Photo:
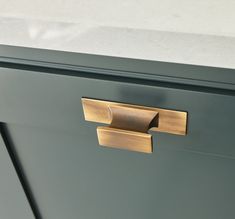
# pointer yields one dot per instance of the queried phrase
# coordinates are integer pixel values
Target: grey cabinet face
(13, 202)
(72, 177)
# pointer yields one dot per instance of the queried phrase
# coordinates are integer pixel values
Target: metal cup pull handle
(129, 124)
(128, 129)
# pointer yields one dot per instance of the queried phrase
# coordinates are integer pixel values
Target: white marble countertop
(217, 50)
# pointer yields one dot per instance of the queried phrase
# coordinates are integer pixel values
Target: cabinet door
(71, 176)
(13, 202)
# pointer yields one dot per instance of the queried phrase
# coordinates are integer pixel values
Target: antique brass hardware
(129, 124)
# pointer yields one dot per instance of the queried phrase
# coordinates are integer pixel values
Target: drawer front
(13, 201)
(188, 176)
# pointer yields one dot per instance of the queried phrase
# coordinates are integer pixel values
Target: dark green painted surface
(46, 100)
(72, 177)
(125, 67)
(13, 202)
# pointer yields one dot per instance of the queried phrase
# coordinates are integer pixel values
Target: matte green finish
(72, 177)
(13, 202)
(125, 67)
(47, 100)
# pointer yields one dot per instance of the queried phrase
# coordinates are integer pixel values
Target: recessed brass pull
(133, 119)
(129, 124)
(128, 129)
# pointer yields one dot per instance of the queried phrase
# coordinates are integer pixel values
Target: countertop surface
(127, 42)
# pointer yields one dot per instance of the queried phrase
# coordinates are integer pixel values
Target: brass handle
(128, 129)
(129, 124)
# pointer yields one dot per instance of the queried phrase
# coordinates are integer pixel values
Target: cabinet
(71, 176)
(13, 201)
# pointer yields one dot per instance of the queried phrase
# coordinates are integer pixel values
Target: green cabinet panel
(126, 67)
(13, 202)
(72, 177)
(54, 101)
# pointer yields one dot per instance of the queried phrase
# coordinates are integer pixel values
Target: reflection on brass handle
(129, 124)
(128, 129)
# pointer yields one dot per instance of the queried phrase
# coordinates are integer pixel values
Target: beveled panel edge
(184, 74)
